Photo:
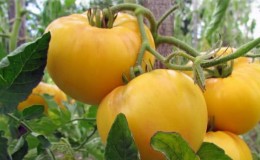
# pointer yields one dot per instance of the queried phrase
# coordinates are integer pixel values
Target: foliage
(72, 133)
(235, 27)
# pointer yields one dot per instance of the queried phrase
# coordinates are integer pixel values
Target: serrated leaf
(4, 147)
(33, 112)
(217, 17)
(173, 146)
(209, 151)
(120, 142)
(21, 71)
(20, 150)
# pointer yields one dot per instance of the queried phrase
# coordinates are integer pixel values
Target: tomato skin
(35, 97)
(87, 62)
(232, 144)
(161, 100)
(233, 102)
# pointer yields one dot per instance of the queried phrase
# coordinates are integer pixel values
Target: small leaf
(209, 151)
(21, 71)
(173, 146)
(20, 150)
(4, 147)
(33, 112)
(120, 143)
(45, 143)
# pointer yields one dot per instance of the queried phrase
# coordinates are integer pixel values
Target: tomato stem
(178, 43)
(179, 53)
(166, 14)
(86, 139)
(238, 53)
(144, 40)
(16, 25)
(133, 7)
(20, 121)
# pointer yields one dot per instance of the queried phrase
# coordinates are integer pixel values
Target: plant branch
(166, 14)
(16, 26)
(20, 121)
(50, 153)
(86, 139)
(252, 55)
(180, 44)
(5, 35)
(144, 40)
(238, 53)
(133, 7)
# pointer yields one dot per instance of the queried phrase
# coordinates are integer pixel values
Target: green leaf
(217, 17)
(173, 146)
(209, 151)
(21, 71)
(45, 143)
(21, 149)
(120, 143)
(33, 112)
(39, 125)
(3, 147)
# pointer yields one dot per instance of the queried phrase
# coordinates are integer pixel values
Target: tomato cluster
(90, 69)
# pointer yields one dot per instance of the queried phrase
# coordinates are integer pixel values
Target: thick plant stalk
(16, 26)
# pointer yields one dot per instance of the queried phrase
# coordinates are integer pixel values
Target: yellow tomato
(232, 144)
(87, 62)
(161, 100)
(35, 98)
(234, 102)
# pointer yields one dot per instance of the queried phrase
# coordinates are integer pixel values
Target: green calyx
(100, 19)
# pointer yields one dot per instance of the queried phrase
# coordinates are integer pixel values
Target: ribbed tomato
(87, 62)
(234, 102)
(161, 100)
(232, 144)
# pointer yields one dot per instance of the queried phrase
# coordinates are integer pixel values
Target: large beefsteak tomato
(161, 100)
(88, 62)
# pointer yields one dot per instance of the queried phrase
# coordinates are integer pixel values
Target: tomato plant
(91, 56)
(35, 98)
(87, 62)
(168, 106)
(233, 105)
(232, 144)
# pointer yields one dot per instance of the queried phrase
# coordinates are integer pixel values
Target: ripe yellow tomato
(234, 102)
(35, 98)
(232, 144)
(161, 100)
(87, 62)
